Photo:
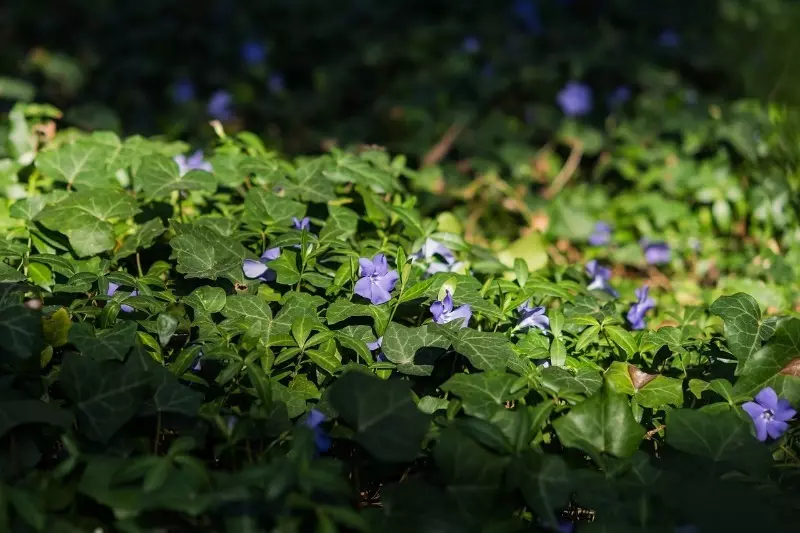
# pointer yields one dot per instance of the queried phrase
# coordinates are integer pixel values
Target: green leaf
(15, 413)
(9, 274)
(719, 436)
(401, 345)
(621, 338)
(144, 237)
(296, 304)
(247, 313)
(86, 218)
(350, 168)
(775, 365)
(558, 352)
(382, 413)
(587, 336)
(104, 344)
(744, 328)
(603, 423)
(485, 350)
(560, 380)
(261, 384)
(261, 206)
(341, 224)
(204, 253)
(545, 482)
(166, 324)
(55, 328)
(80, 165)
(482, 394)
(310, 184)
(209, 299)
(168, 394)
(649, 390)
(20, 328)
(326, 357)
(159, 175)
(106, 393)
(285, 266)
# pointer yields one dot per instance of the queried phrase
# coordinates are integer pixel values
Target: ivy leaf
(545, 482)
(296, 305)
(341, 224)
(243, 312)
(401, 344)
(603, 423)
(719, 436)
(106, 393)
(15, 413)
(482, 394)
(775, 365)
(85, 218)
(285, 266)
(350, 168)
(310, 184)
(79, 165)
(649, 390)
(202, 252)
(20, 327)
(144, 237)
(382, 413)
(560, 380)
(104, 344)
(159, 175)
(744, 328)
(169, 395)
(261, 206)
(485, 350)
(621, 338)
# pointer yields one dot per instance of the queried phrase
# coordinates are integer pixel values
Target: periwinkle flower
(193, 162)
(770, 414)
(377, 280)
(601, 234)
(301, 224)
(314, 422)
(533, 317)
(656, 253)
(435, 268)
(197, 364)
(183, 91)
(637, 311)
(258, 269)
(219, 105)
(230, 422)
(376, 345)
(487, 72)
(431, 248)
(112, 288)
(253, 53)
(620, 95)
(471, 45)
(276, 84)
(527, 12)
(601, 276)
(669, 39)
(575, 99)
(443, 311)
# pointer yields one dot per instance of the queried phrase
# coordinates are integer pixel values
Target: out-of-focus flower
(620, 95)
(435, 268)
(637, 311)
(301, 224)
(471, 44)
(601, 276)
(527, 12)
(220, 105)
(770, 414)
(431, 248)
(656, 253)
(575, 99)
(377, 280)
(376, 345)
(112, 288)
(193, 162)
(669, 39)
(314, 422)
(258, 269)
(533, 317)
(443, 311)
(276, 84)
(183, 91)
(601, 234)
(253, 52)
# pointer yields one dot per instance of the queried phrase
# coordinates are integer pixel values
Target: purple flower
(620, 95)
(471, 44)
(253, 53)
(197, 364)
(193, 162)
(314, 421)
(377, 280)
(183, 91)
(600, 278)
(601, 234)
(301, 224)
(276, 84)
(770, 414)
(656, 253)
(643, 305)
(219, 105)
(435, 268)
(230, 422)
(376, 345)
(431, 248)
(443, 311)
(575, 99)
(669, 39)
(487, 71)
(527, 12)
(112, 288)
(258, 269)
(533, 317)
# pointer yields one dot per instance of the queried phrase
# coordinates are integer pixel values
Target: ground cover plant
(236, 341)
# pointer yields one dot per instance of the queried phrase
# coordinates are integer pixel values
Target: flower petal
(377, 343)
(753, 409)
(381, 266)
(784, 412)
(388, 281)
(272, 253)
(253, 269)
(768, 398)
(463, 313)
(364, 288)
(447, 302)
(367, 266)
(437, 310)
(315, 418)
(112, 288)
(776, 428)
(379, 294)
(761, 428)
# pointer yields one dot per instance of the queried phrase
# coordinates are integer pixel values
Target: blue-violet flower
(770, 414)
(656, 253)
(643, 305)
(533, 317)
(600, 278)
(377, 280)
(601, 234)
(112, 288)
(258, 269)
(443, 311)
(219, 105)
(575, 99)
(314, 421)
(193, 162)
